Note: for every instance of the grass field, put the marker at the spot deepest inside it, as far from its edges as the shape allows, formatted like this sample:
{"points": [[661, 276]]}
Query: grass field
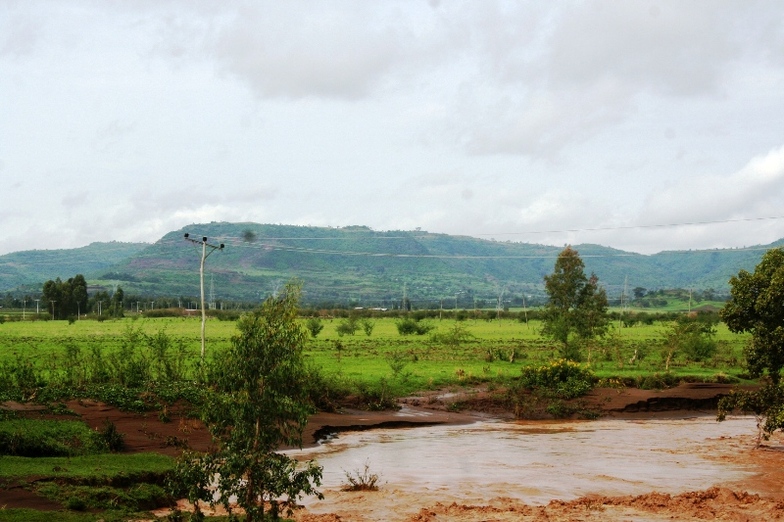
{"points": [[488, 350]]}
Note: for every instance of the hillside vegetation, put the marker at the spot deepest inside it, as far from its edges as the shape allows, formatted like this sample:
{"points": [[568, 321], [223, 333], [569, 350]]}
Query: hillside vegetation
{"points": [[359, 266]]}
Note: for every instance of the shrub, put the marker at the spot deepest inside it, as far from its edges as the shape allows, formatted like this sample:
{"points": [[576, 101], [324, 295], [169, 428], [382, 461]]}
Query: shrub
{"points": [[347, 326], [410, 325], [113, 439], [314, 326], [367, 326], [562, 378], [362, 480]]}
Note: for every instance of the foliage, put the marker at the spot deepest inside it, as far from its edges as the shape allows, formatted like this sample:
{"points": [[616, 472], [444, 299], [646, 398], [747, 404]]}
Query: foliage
{"points": [[411, 325], [454, 336], [767, 405], [111, 438], [314, 326], [257, 407], [694, 338], [563, 378], [757, 306], [348, 326], [367, 326], [65, 298], [577, 306], [48, 438]]}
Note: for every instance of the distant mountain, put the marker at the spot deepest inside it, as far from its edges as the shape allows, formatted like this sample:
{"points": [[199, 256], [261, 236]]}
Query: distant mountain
{"points": [[359, 265], [31, 268]]}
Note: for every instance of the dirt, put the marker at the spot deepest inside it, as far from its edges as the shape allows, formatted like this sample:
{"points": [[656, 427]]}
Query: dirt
{"points": [[760, 497]]}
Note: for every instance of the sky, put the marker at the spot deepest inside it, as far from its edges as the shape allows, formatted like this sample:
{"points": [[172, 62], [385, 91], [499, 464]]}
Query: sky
{"points": [[643, 126]]}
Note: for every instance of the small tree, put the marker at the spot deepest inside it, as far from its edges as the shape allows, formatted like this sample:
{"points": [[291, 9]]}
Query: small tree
{"points": [[694, 338], [577, 306], [367, 326], [348, 326], [756, 306], [258, 404], [314, 326]]}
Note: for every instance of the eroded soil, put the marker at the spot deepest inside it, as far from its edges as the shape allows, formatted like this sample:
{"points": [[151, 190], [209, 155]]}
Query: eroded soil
{"points": [[759, 497]]}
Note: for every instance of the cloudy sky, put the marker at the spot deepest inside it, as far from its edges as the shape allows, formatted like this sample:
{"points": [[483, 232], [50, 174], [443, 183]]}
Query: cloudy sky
{"points": [[644, 125]]}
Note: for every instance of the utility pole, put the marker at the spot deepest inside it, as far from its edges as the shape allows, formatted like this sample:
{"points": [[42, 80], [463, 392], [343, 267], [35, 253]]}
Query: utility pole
{"points": [[204, 255], [52, 302], [37, 309]]}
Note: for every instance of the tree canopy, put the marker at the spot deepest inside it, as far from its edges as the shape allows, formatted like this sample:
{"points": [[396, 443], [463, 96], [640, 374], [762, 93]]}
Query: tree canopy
{"points": [[257, 405], [756, 306], [577, 305]]}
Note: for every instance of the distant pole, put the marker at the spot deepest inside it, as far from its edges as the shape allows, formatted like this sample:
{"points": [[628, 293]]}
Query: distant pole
{"points": [[52, 302], [37, 309], [204, 255], [24, 308]]}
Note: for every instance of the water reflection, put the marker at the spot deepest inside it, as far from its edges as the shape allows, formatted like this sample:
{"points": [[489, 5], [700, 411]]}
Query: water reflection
{"points": [[539, 461]]}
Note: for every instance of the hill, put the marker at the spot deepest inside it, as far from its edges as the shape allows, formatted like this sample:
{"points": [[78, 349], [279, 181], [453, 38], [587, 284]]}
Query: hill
{"points": [[362, 266], [27, 270]]}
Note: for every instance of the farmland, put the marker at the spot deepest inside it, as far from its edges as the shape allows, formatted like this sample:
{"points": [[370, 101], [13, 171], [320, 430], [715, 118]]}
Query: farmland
{"points": [[488, 349], [150, 367]]}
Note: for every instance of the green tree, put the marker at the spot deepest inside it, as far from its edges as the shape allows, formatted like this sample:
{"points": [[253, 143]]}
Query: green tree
{"points": [[756, 306], [314, 326], [690, 336], [258, 405], [577, 307]]}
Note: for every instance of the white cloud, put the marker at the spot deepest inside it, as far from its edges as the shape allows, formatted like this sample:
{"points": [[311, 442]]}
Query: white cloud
{"points": [[756, 190], [498, 118]]}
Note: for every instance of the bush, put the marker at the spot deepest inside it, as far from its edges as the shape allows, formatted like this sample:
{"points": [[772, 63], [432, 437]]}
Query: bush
{"points": [[113, 439], [314, 326], [410, 325], [361, 480], [347, 326], [562, 378]]}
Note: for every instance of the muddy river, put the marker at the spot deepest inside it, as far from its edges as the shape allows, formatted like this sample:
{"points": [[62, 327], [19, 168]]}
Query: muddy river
{"points": [[535, 462]]}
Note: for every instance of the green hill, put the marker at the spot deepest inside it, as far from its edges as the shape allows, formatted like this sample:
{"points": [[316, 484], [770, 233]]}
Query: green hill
{"points": [[362, 266], [29, 269]]}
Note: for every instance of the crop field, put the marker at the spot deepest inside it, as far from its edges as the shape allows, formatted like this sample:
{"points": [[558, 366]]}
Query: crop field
{"points": [[482, 350]]}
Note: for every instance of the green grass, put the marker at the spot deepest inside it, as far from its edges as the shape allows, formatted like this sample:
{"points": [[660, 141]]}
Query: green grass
{"points": [[39, 437], [367, 358], [101, 466]]}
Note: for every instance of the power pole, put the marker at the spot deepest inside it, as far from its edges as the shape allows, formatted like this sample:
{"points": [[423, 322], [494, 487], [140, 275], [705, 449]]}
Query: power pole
{"points": [[204, 255]]}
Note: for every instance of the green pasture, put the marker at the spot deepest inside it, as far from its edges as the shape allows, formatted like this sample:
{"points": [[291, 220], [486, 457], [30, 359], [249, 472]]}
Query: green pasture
{"points": [[493, 349]]}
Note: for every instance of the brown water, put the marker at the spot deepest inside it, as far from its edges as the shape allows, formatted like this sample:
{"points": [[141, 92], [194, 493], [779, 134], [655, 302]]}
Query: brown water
{"points": [[538, 461]]}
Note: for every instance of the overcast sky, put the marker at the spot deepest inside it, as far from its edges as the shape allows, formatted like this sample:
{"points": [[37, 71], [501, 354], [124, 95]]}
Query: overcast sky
{"points": [[543, 122]]}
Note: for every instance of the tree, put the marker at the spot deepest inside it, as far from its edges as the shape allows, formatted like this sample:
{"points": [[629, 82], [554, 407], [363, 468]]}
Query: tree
{"points": [[577, 305], [258, 404], [756, 306], [66, 298], [694, 338]]}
